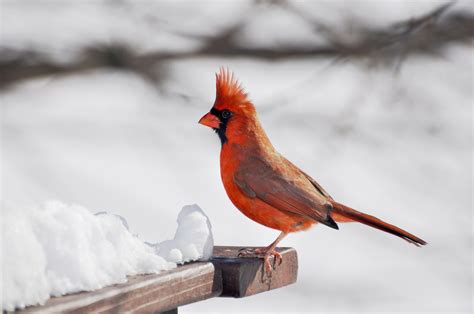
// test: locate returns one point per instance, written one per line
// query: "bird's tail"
(343, 213)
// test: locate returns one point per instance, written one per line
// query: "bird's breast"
(232, 157)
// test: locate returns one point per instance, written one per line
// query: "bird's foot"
(250, 252)
(266, 254)
(277, 260)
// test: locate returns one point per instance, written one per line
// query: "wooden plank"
(245, 276)
(143, 294)
(226, 275)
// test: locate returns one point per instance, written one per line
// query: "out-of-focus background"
(100, 102)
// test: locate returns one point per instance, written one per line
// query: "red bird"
(264, 185)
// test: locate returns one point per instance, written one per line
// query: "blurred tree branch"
(427, 34)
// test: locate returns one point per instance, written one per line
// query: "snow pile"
(193, 239)
(58, 249)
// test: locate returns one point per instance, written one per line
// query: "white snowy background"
(396, 143)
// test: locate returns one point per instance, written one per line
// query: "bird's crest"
(229, 92)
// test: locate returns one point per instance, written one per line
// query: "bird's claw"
(244, 252)
(277, 260)
(250, 252)
(266, 255)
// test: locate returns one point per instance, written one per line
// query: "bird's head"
(231, 110)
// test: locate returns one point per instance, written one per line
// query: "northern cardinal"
(264, 185)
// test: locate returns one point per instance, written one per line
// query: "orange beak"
(210, 120)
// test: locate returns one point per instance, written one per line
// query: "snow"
(57, 249)
(193, 239)
(395, 144)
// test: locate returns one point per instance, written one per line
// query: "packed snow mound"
(57, 249)
(193, 239)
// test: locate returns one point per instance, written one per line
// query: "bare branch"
(427, 34)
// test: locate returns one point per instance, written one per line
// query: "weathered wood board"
(142, 294)
(224, 275)
(243, 276)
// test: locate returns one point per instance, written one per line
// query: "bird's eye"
(225, 114)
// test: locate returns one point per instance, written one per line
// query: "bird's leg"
(266, 253)
(269, 251)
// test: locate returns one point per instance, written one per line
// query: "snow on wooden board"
(225, 275)
(58, 249)
(142, 293)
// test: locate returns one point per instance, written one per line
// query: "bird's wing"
(258, 179)
(316, 185)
